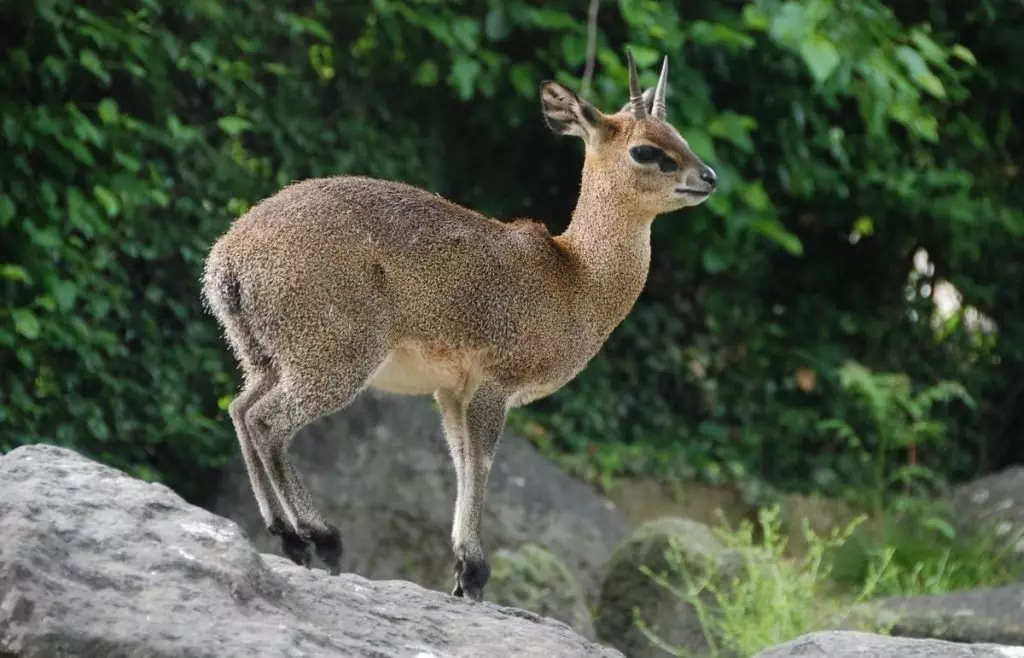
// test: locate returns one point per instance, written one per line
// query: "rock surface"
(352, 460)
(95, 563)
(978, 615)
(625, 587)
(851, 644)
(994, 504)
(534, 579)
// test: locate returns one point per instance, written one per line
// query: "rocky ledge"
(96, 563)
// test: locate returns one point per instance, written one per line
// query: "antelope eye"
(646, 154)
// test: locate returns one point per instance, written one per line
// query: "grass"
(761, 598)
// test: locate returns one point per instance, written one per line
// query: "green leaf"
(496, 24)
(777, 233)
(928, 48)
(466, 31)
(644, 57)
(233, 125)
(964, 54)
(754, 17)
(64, 292)
(426, 74)
(791, 24)
(940, 525)
(107, 199)
(820, 56)
(7, 210)
(15, 273)
(919, 71)
(26, 323)
(107, 110)
(91, 62)
(463, 75)
(863, 225)
(735, 128)
(755, 196)
(714, 259)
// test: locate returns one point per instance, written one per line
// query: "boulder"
(534, 579)
(852, 644)
(625, 588)
(994, 504)
(381, 471)
(96, 563)
(978, 615)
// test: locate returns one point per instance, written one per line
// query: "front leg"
(485, 419)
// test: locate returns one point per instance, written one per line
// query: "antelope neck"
(610, 241)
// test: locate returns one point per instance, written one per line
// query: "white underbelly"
(415, 371)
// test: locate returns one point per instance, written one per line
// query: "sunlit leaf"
(233, 125)
(820, 56)
(26, 323)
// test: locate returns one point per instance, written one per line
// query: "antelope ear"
(648, 97)
(568, 114)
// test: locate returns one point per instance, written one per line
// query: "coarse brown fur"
(337, 284)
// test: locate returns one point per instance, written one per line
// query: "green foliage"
(771, 599)
(847, 137)
(734, 354)
(911, 559)
(768, 600)
(131, 138)
(899, 420)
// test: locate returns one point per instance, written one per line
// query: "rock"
(994, 504)
(823, 515)
(642, 499)
(534, 579)
(852, 644)
(979, 615)
(625, 587)
(380, 470)
(95, 563)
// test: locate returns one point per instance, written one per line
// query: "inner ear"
(568, 114)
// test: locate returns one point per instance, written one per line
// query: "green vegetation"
(772, 598)
(850, 138)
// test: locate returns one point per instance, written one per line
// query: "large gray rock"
(380, 470)
(977, 615)
(95, 563)
(994, 505)
(534, 579)
(626, 589)
(852, 644)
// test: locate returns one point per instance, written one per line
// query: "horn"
(636, 99)
(658, 109)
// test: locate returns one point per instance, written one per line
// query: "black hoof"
(295, 548)
(470, 577)
(329, 548)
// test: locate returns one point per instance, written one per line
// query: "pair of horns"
(636, 98)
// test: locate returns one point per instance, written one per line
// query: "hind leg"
(257, 384)
(301, 396)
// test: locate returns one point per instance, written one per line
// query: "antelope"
(338, 284)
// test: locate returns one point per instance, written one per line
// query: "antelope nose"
(708, 176)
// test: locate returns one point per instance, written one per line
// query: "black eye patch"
(646, 154)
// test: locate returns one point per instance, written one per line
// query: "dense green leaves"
(848, 136)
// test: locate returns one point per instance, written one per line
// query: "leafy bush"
(848, 136)
(773, 599)
(131, 139)
(921, 559)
